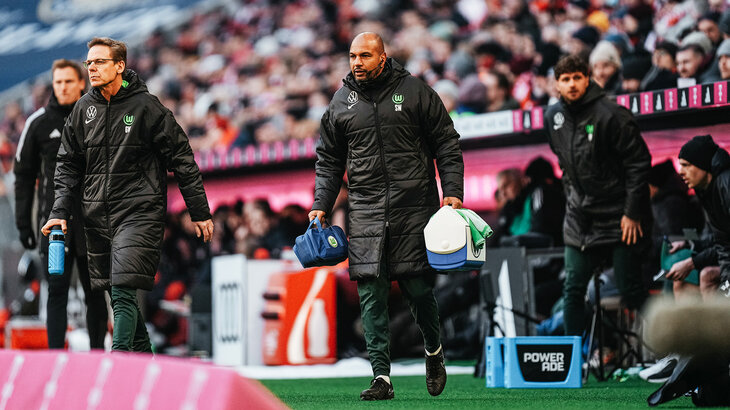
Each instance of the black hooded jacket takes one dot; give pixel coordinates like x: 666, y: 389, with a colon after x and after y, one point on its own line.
x: 35, y: 159
x: 605, y: 164
x: 386, y: 135
x: 716, y: 201
x: 118, y: 153
x: 673, y: 208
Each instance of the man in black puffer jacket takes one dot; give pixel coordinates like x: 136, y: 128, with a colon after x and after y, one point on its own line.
x: 117, y: 146
x: 705, y: 167
x: 385, y: 127
x: 35, y: 160
x: 605, y: 166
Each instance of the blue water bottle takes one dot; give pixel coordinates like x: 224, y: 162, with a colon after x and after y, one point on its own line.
x: 56, y: 251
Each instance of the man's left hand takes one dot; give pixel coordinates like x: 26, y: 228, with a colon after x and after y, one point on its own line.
x: 630, y: 230
x: 453, y: 201
x: 205, y: 228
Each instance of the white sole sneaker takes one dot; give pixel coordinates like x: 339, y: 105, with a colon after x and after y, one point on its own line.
x: 661, y: 371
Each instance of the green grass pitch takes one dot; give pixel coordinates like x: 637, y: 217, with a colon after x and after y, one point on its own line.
x: 464, y: 392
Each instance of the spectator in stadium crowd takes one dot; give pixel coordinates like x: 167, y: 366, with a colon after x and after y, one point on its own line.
x: 707, y: 69
x: 705, y: 167
x: 709, y: 24
x: 116, y: 147
x: 690, y: 59
x: 390, y: 200
x: 634, y: 70
x: 709, y: 40
x: 499, y: 92
x: 448, y: 91
x: 510, y: 183
x: 663, y: 72
x: 605, y: 166
x: 606, y: 67
x: 723, y: 59
x: 35, y: 160
x: 266, y: 237
x: 582, y: 41
x: 532, y: 214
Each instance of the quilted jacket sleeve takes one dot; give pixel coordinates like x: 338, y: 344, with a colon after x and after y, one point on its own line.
x: 330, y: 167
x: 174, y: 150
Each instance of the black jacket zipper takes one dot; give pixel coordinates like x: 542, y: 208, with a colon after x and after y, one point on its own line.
x: 575, y: 174
x: 107, y: 136
x: 385, y: 174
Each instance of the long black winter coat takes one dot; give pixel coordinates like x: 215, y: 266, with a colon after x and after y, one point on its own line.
x: 35, y: 159
x: 716, y: 201
x: 386, y: 136
x: 119, y: 152
x: 604, y: 171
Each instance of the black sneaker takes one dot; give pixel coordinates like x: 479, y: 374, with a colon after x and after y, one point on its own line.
x: 379, y: 390
x: 435, y: 373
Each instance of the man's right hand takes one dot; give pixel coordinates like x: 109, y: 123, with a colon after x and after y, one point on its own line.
x: 681, y: 269
x: 46, y: 230
x: 27, y: 238
x: 317, y: 214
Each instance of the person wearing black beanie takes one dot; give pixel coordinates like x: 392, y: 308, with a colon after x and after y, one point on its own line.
x: 699, y: 152
x: 705, y: 167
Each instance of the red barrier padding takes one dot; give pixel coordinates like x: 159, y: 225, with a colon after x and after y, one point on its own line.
x: 62, y: 380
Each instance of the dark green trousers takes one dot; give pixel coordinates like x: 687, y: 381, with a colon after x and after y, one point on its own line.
x: 374, y: 310
x: 130, y: 333
x: 580, y: 267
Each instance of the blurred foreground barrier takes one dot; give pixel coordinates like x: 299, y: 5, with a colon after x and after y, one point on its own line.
x: 60, y: 380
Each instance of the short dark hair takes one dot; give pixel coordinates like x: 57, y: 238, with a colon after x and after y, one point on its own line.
x: 571, y: 64
x: 118, y: 48
x: 502, y: 81
x: 694, y: 47
x: 64, y: 63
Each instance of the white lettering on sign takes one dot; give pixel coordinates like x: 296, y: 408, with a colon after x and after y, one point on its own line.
x: 550, y: 362
x: 484, y: 125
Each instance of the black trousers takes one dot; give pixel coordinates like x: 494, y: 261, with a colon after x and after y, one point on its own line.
x: 58, y: 286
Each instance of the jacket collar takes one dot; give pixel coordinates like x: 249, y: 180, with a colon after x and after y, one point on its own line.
x: 593, y: 93
x: 392, y: 72
x: 131, y: 84
x: 53, y: 105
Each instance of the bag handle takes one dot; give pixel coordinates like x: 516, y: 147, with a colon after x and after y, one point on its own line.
x: 314, y: 221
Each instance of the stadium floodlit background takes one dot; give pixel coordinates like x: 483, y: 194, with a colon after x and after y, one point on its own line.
x: 249, y: 80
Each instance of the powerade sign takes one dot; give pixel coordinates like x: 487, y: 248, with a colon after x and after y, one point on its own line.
x: 34, y: 33
x: 544, y: 363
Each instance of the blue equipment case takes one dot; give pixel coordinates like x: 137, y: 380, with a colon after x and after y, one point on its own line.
x: 535, y: 362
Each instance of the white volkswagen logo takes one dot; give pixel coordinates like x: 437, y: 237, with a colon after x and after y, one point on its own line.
x: 91, y: 112
x: 352, y: 98
x: 559, y: 118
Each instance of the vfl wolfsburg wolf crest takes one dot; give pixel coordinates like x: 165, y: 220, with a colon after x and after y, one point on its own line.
x: 398, y: 98
x: 128, y: 119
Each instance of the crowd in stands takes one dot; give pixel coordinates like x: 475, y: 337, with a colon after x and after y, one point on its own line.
x: 263, y: 71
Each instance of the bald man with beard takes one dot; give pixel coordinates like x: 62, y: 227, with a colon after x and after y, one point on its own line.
x: 385, y: 128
